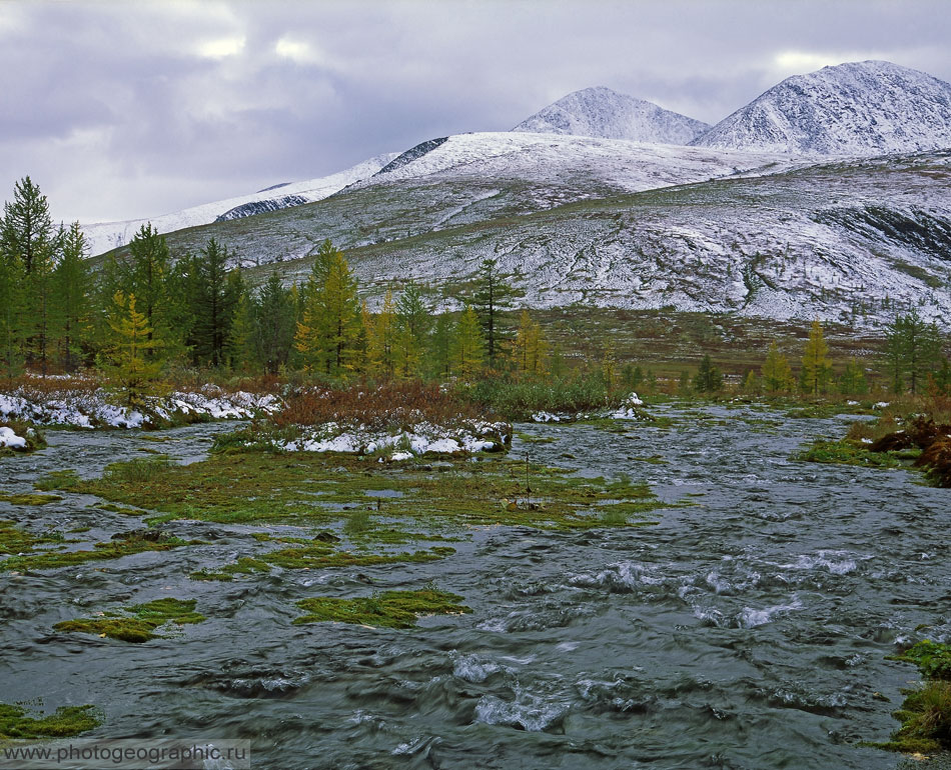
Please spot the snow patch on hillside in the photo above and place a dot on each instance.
(104, 236)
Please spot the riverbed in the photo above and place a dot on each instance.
(748, 628)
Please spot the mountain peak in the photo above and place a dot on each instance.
(606, 114)
(856, 108)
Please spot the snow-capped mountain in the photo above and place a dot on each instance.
(104, 236)
(603, 113)
(856, 109)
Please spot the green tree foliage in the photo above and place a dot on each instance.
(912, 348)
(853, 382)
(776, 372)
(271, 325)
(144, 273)
(131, 360)
(816, 365)
(26, 230)
(751, 383)
(440, 347)
(12, 317)
(942, 377)
(216, 298)
(491, 295)
(27, 237)
(71, 288)
(468, 345)
(708, 378)
(413, 325)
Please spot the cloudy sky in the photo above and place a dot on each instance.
(129, 109)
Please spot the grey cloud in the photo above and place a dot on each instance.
(114, 112)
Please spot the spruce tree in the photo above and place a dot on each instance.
(441, 346)
(491, 295)
(708, 378)
(26, 230)
(71, 298)
(852, 382)
(145, 274)
(413, 324)
(912, 347)
(12, 317)
(214, 308)
(272, 334)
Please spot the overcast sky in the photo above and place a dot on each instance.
(127, 109)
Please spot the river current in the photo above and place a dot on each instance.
(748, 629)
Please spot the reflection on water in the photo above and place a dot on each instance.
(746, 631)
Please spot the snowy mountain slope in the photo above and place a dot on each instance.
(468, 179)
(104, 236)
(603, 113)
(856, 109)
(851, 241)
(848, 240)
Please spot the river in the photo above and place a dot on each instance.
(747, 630)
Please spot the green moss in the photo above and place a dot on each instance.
(391, 609)
(124, 545)
(138, 623)
(310, 488)
(14, 540)
(121, 509)
(65, 479)
(847, 453)
(30, 499)
(244, 566)
(66, 721)
(933, 659)
(357, 523)
(925, 718)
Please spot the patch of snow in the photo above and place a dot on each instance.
(11, 440)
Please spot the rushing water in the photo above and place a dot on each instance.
(746, 631)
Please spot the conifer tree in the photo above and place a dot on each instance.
(816, 365)
(441, 347)
(530, 352)
(215, 305)
(413, 325)
(381, 334)
(272, 335)
(12, 317)
(468, 346)
(912, 347)
(26, 230)
(776, 372)
(145, 274)
(71, 298)
(708, 378)
(852, 382)
(132, 360)
(751, 384)
(328, 337)
(492, 294)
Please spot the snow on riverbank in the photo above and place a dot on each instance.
(93, 408)
(630, 409)
(420, 439)
(10, 440)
